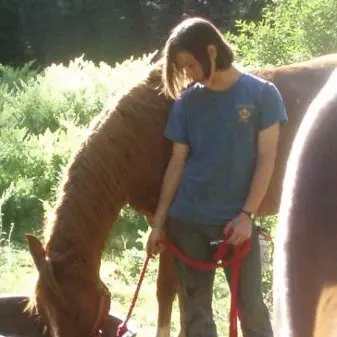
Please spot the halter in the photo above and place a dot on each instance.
(103, 311)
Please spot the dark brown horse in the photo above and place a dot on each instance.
(123, 161)
(305, 271)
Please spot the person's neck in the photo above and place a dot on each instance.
(223, 79)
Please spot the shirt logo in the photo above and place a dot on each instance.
(245, 112)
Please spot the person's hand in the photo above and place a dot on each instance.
(154, 245)
(239, 229)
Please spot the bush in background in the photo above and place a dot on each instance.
(290, 31)
(43, 117)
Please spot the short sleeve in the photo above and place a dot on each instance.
(176, 126)
(272, 109)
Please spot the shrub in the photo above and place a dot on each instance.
(290, 31)
(43, 117)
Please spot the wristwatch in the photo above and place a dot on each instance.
(250, 215)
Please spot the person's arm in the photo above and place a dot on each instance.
(170, 183)
(266, 155)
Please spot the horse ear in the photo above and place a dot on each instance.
(36, 250)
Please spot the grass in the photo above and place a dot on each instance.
(120, 272)
(18, 275)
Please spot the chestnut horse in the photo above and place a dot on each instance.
(305, 270)
(123, 161)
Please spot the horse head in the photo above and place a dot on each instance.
(71, 301)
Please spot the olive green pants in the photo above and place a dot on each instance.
(197, 285)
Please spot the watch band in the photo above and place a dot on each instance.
(250, 215)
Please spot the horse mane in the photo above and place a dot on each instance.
(95, 185)
(95, 188)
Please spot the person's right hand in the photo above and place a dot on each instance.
(154, 244)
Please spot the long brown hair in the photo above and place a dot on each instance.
(193, 35)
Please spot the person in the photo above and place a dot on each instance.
(224, 127)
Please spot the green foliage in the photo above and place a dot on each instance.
(290, 31)
(127, 233)
(12, 78)
(269, 225)
(73, 93)
(30, 168)
(43, 118)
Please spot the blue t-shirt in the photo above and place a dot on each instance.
(221, 129)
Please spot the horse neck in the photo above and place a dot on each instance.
(80, 230)
(92, 194)
(98, 181)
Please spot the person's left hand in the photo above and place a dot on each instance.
(241, 227)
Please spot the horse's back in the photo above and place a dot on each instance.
(305, 269)
(298, 84)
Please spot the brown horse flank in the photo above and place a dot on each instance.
(123, 161)
(305, 274)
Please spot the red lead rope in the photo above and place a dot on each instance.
(239, 253)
